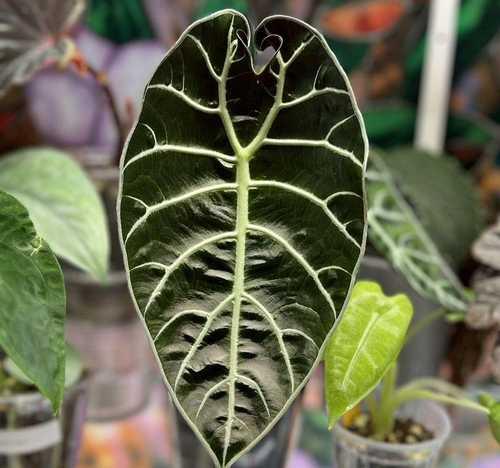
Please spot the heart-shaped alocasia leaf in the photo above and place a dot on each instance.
(243, 219)
(32, 35)
(398, 233)
(32, 301)
(63, 204)
(364, 345)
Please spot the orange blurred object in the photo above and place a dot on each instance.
(362, 19)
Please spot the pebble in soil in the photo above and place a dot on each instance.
(406, 431)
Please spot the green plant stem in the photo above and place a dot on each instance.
(373, 407)
(434, 384)
(383, 421)
(405, 395)
(425, 322)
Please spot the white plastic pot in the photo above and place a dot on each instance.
(354, 451)
(30, 435)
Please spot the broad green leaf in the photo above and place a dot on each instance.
(33, 34)
(242, 217)
(364, 345)
(63, 204)
(396, 227)
(32, 301)
(438, 188)
(73, 369)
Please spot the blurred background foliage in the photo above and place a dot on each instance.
(380, 43)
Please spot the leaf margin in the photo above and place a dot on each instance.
(93, 262)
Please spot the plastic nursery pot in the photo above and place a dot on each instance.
(102, 322)
(272, 452)
(30, 435)
(103, 326)
(430, 345)
(353, 451)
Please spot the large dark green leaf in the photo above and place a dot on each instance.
(32, 35)
(396, 224)
(32, 301)
(243, 219)
(63, 203)
(365, 344)
(439, 189)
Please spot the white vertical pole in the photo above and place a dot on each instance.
(435, 85)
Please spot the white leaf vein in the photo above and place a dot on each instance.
(316, 144)
(201, 336)
(298, 256)
(192, 150)
(277, 332)
(182, 258)
(312, 198)
(175, 200)
(187, 99)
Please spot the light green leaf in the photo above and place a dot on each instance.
(32, 301)
(396, 227)
(365, 344)
(73, 369)
(63, 204)
(243, 219)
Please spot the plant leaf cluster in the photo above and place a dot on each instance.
(48, 207)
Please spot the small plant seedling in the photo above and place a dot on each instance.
(369, 356)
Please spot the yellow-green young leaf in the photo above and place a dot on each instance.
(63, 204)
(494, 417)
(495, 421)
(366, 342)
(32, 301)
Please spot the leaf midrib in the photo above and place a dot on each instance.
(243, 157)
